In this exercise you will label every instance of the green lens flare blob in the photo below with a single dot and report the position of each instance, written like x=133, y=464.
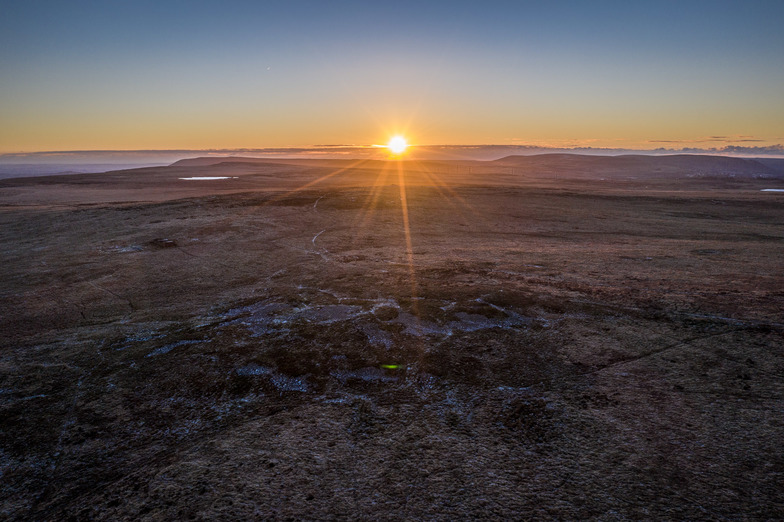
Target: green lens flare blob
x=390, y=366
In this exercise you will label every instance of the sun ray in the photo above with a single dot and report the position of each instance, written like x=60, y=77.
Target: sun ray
x=371, y=204
x=354, y=165
x=441, y=192
x=440, y=184
x=407, y=234
x=287, y=193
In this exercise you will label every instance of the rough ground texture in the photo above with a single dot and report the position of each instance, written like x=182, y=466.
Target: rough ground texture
x=304, y=342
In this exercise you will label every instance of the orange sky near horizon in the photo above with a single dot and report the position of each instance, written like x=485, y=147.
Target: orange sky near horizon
x=152, y=75
x=198, y=131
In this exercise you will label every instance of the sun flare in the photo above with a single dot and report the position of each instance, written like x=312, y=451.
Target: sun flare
x=397, y=144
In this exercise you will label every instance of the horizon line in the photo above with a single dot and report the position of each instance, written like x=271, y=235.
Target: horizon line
x=776, y=149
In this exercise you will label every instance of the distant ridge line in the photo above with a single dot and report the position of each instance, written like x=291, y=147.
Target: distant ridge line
x=555, y=164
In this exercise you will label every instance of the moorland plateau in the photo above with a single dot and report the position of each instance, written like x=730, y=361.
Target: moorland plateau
x=554, y=336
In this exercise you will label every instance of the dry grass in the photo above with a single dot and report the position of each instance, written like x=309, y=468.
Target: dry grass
x=571, y=350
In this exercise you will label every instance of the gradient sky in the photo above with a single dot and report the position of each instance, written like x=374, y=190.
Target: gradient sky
x=197, y=74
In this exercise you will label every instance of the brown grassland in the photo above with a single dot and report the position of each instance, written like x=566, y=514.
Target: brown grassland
x=316, y=340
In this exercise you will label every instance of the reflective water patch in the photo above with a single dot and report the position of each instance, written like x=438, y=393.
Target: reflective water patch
x=208, y=178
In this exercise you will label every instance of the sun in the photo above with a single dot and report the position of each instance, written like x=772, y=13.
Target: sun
x=397, y=145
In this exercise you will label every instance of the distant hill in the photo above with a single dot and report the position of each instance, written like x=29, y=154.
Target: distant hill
x=313, y=162
x=776, y=164
x=550, y=165
x=636, y=166
x=28, y=170
x=356, y=163
x=207, y=161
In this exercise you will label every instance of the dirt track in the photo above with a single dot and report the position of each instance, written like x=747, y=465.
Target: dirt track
x=524, y=348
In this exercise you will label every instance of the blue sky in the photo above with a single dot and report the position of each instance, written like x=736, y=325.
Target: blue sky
x=127, y=75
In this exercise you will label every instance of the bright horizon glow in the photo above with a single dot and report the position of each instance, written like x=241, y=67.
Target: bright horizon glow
x=397, y=145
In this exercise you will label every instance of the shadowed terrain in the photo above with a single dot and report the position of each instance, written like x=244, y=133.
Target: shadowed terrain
x=333, y=339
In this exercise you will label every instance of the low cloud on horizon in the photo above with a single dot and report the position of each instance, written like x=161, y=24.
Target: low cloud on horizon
x=714, y=139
